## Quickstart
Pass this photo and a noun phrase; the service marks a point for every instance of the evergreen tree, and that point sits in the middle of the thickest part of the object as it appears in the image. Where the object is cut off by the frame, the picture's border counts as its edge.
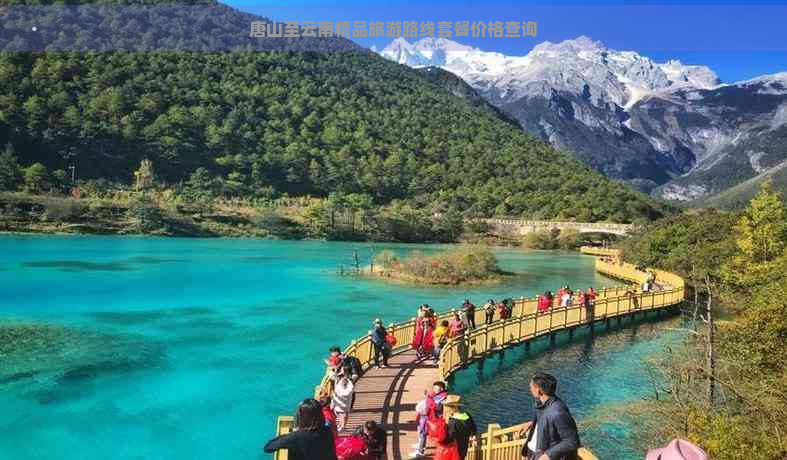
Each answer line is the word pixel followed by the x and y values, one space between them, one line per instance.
pixel 36 178
pixel 10 171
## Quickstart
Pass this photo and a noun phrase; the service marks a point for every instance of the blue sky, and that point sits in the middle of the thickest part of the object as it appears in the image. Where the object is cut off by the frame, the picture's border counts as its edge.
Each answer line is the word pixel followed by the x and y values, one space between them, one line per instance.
pixel 736 41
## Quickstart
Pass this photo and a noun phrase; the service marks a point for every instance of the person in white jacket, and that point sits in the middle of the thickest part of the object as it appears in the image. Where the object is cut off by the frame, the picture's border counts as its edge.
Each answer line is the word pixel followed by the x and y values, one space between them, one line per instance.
pixel 342 399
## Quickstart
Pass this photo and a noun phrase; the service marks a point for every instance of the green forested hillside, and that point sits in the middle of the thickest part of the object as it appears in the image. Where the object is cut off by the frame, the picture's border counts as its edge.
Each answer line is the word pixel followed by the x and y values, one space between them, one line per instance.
pixel 266 123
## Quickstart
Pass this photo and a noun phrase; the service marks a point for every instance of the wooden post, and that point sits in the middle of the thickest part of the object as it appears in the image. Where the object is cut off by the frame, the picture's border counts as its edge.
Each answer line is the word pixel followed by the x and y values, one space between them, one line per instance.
pixel 490 431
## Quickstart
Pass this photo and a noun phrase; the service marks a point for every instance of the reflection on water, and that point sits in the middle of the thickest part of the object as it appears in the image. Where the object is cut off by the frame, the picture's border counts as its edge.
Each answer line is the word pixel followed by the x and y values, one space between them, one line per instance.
pixel 594 371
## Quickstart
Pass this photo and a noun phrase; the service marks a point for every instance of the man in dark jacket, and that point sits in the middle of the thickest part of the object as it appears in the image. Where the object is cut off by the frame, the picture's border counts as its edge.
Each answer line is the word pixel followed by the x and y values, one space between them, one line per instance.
pixel 375 439
pixel 378 343
pixel 461 426
pixel 552 435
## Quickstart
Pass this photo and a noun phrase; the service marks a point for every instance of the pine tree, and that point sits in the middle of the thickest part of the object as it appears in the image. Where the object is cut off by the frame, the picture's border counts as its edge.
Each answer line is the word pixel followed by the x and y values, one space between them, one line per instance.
pixel 10 172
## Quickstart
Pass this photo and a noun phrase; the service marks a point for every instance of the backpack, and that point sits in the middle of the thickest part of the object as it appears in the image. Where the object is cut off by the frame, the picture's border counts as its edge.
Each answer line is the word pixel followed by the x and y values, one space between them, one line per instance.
pixel 437 429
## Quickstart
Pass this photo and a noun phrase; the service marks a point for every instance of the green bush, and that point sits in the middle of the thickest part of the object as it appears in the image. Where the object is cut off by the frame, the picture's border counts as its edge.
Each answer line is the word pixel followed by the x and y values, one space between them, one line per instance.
pixel 147 215
pixel 280 226
pixel 36 178
pixel 62 210
pixel 541 239
pixel 569 239
pixel 465 263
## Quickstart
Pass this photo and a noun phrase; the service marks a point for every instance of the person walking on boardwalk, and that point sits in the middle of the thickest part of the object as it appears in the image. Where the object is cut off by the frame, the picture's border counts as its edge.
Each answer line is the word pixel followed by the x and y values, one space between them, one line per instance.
pixel 489 311
pixel 461 426
pixel 421 417
pixel 456 326
pixel 544 302
pixel 342 399
pixel 379 343
pixel 423 341
pixel 590 303
pixel 429 408
pixel 552 434
pixel 440 339
pixel 469 309
pixel 312 438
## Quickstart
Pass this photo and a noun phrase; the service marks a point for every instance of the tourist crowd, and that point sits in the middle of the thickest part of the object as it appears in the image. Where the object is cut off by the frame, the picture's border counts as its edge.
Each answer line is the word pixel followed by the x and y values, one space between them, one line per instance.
pixel 329 413
pixel 441 419
pixel 319 431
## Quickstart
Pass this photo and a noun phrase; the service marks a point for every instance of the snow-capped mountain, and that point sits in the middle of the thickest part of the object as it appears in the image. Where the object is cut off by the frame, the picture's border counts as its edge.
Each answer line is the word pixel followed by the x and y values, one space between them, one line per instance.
pixel 653 124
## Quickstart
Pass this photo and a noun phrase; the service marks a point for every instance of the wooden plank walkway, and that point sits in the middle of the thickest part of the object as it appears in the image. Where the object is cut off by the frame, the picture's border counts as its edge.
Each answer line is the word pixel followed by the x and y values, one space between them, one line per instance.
pixel 388 396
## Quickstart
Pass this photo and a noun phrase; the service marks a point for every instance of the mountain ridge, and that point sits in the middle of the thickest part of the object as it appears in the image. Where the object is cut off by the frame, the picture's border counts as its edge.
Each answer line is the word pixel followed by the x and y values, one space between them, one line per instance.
pixel 655 125
pixel 267 124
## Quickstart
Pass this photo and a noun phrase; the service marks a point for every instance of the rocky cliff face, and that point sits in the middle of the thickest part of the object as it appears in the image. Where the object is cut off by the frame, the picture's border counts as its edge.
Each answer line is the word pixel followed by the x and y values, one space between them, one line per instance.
pixel 667 127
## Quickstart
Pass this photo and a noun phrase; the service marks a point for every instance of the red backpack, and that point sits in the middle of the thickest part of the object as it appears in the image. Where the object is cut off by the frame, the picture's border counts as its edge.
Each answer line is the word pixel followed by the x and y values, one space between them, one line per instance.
pixel 437 429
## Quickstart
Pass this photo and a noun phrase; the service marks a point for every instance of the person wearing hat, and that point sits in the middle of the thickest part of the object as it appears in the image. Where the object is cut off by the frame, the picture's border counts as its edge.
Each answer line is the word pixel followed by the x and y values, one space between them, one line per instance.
pixel 378 341
pixel 552 434
pixel 677 449
pixel 461 426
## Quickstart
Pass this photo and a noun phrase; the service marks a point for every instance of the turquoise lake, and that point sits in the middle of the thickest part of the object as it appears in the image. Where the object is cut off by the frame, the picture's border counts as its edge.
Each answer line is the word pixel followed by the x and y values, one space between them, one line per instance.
pixel 156 348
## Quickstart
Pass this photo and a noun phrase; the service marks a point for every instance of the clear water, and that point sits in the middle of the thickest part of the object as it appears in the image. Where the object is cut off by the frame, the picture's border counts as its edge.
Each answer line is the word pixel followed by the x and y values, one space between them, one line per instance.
pixel 596 373
pixel 189 348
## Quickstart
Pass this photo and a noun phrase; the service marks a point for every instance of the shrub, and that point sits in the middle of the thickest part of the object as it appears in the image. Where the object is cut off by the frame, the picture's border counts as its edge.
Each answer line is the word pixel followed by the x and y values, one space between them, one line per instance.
pixel 61 210
pixel 147 214
pixel 542 239
pixel 465 263
pixel 36 177
pixel 386 259
pixel 569 239
pixel 277 225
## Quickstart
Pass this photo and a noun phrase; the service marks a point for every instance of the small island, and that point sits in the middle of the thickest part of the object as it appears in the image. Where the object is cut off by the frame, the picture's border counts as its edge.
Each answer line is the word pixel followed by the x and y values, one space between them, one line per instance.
pixel 466 264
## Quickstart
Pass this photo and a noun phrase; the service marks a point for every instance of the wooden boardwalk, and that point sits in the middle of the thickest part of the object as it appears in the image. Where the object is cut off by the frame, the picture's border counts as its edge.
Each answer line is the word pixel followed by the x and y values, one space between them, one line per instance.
pixel 388 396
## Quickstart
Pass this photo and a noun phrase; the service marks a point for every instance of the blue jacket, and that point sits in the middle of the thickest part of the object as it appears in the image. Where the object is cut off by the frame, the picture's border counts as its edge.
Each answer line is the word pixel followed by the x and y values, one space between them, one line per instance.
pixel 557 431
pixel 378 336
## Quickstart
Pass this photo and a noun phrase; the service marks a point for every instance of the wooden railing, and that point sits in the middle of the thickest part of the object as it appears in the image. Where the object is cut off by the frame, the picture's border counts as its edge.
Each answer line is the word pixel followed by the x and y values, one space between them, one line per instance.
pixel 505 444
pixel 496 443
pixel 525 324
pixel 504 334
pixel 284 425
pixel 594 251
pixel 362 348
pixel 548 225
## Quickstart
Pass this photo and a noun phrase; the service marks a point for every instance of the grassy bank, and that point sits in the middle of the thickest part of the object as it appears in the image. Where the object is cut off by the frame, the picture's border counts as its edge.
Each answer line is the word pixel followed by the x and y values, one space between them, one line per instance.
pixel 163 212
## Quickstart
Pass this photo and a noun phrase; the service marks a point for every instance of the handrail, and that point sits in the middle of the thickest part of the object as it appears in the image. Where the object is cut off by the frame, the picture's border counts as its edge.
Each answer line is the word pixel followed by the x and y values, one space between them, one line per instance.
pixel 594 251
pixel 556 224
pixel 503 334
pixel 504 443
pixel 404 332
pixel 284 425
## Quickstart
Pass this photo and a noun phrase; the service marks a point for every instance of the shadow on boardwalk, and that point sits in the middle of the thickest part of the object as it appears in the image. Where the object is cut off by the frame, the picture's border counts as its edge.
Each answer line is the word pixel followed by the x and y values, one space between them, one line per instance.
pixel 388 396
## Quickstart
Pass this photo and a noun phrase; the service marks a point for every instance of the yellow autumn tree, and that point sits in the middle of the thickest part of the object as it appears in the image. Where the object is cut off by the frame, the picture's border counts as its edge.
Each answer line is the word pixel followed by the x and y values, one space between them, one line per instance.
pixel 761 238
